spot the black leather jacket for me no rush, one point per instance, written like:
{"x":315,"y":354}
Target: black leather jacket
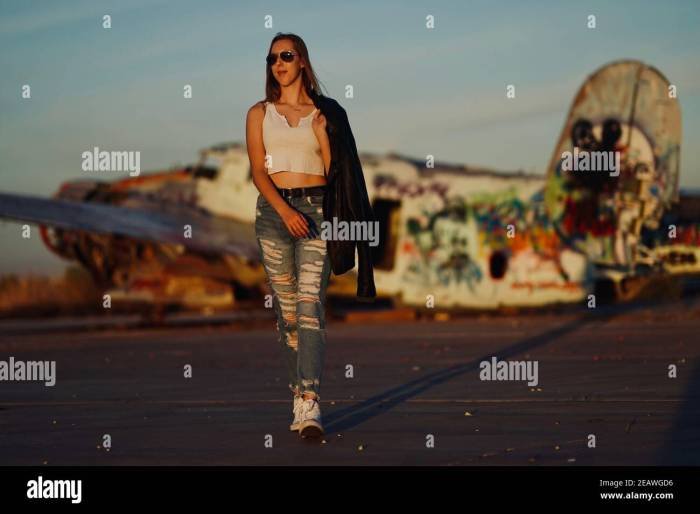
{"x":346,"y":197}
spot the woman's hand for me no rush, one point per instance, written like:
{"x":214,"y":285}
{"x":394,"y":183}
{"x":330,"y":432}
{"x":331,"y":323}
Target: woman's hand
{"x":295,"y":221}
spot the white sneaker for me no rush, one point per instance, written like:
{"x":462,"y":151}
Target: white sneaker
{"x":297,"y":413}
{"x":310,"y":425}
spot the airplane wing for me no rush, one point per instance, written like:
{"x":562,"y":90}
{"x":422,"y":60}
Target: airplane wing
{"x":160,"y":223}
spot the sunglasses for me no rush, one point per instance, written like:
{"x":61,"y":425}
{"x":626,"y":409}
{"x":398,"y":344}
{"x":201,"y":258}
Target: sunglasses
{"x":286,"y":56}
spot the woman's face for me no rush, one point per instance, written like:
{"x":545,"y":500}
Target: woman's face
{"x":285,"y":72}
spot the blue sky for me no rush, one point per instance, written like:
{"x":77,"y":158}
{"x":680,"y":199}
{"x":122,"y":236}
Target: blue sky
{"x":417,"y":91}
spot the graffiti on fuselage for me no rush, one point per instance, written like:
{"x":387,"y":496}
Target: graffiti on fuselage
{"x":624,"y":108}
{"x":445,"y":243}
{"x":602,"y":209}
{"x":486,"y":237}
{"x":478,"y":239}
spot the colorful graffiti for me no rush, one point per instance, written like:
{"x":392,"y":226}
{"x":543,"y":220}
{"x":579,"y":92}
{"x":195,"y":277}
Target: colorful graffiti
{"x":440,"y":247}
{"x":487,"y":237}
{"x":483,"y":241}
{"x":625,"y":107}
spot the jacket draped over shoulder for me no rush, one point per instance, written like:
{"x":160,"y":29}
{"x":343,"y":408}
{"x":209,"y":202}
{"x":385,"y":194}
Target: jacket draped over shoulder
{"x":346,"y":197}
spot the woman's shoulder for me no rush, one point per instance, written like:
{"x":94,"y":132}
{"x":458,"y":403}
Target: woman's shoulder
{"x":258,"y":108}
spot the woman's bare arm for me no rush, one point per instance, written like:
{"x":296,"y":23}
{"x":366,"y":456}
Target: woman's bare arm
{"x":295,"y":221}
{"x":256,"y":156}
{"x":318,"y":123}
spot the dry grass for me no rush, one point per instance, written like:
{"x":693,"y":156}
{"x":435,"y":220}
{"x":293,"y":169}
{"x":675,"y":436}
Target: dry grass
{"x":39,"y":295}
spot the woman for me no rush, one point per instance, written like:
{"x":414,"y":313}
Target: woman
{"x":290,"y":156}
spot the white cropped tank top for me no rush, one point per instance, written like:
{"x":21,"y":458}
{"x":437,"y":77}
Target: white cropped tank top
{"x":290,"y":148}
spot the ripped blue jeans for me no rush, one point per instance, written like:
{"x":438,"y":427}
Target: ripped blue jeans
{"x":297,"y":272}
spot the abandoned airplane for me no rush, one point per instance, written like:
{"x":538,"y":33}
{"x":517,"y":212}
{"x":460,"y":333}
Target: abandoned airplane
{"x":458,"y":236}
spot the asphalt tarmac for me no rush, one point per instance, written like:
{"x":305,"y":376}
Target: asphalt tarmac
{"x":415,"y":396}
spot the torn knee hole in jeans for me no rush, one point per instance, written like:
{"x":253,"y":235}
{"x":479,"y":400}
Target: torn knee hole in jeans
{"x":287,"y":301}
{"x":310,"y":280}
{"x":271,"y":254}
{"x":293,"y":339}
{"x":316,"y":245}
{"x":283,"y":278}
{"x":291,"y":336}
{"x":311,"y":322}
